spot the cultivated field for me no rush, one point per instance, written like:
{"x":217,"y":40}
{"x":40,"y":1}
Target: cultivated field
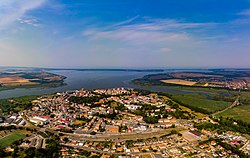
{"x":179,"y":82}
{"x":29,"y":79}
{"x":11,"y":138}
{"x":14,"y":80}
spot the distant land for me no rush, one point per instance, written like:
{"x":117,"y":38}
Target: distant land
{"x":28,"y":78}
{"x":217,"y":78}
{"x":25,"y":77}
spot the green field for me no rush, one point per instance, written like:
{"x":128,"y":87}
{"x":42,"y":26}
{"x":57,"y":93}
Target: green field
{"x":241,"y":112}
{"x":200,"y":101}
{"x":245,"y":98}
{"x":16,"y":104}
{"x":11,"y":138}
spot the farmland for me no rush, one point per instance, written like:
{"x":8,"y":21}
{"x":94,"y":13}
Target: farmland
{"x":10,"y":80}
{"x":179,"y":82}
{"x":11,"y":138}
{"x":228,"y":79}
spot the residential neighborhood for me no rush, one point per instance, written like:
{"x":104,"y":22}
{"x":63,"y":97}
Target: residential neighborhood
{"x":121,"y":122}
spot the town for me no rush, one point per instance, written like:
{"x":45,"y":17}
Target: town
{"x":120,"y":122}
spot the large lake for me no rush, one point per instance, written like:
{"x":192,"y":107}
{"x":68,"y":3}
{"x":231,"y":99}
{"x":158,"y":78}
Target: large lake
{"x":89,"y":80}
{"x":80,"y":79}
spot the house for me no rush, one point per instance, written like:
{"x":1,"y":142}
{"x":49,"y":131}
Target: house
{"x":105,"y":156}
{"x":136,"y":150}
{"x":120,"y":149}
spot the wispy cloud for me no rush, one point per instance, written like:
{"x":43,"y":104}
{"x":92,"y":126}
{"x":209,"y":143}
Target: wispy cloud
{"x":11,"y":10}
{"x":126,"y":21}
{"x":150,"y":31}
{"x":29,"y":21}
{"x":245,"y":12}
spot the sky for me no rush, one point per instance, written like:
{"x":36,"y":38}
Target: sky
{"x":125,"y":33}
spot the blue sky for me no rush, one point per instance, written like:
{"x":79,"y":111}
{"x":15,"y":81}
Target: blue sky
{"x":125,"y":33}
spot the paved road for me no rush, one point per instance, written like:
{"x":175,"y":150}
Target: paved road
{"x":123,"y":137}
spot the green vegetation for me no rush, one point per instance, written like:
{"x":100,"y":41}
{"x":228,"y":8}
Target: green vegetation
{"x":16,"y":104}
{"x":81,"y":100}
{"x":225,"y":124}
{"x":44,"y":85}
{"x":233,"y":149}
{"x":52,"y":149}
{"x":241,"y":112}
{"x":112,"y":115}
{"x":10,"y":139}
{"x":154,"y":83}
{"x":199,"y":103}
{"x":151,"y":119}
{"x":245,"y":98}
{"x":179,"y":113}
{"x":205,"y":100}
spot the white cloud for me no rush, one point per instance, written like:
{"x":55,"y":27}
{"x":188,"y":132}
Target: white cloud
{"x":11,"y":10}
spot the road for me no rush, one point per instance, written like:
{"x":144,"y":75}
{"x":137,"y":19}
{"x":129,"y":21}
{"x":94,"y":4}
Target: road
{"x":123,"y":137}
{"x":235,"y":103}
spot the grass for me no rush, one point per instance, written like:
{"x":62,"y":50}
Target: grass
{"x":10,"y":139}
{"x":241,"y":112}
{"x":200,"y":101}
{"x":197,"y":114}
{"x":17,"y":104}
{"x":245,"y":98}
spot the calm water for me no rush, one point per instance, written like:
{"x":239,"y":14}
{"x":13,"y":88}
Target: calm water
{"x":89,"y":80}
{"x":80,"y":79}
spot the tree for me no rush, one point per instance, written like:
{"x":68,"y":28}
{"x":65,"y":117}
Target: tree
{"x":93,"y":133}
{"x":173,"y":132}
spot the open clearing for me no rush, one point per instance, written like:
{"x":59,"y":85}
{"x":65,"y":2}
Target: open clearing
{"x":241,"y":112}
{"x":11,"y":138}
{"x":179,"y":82}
